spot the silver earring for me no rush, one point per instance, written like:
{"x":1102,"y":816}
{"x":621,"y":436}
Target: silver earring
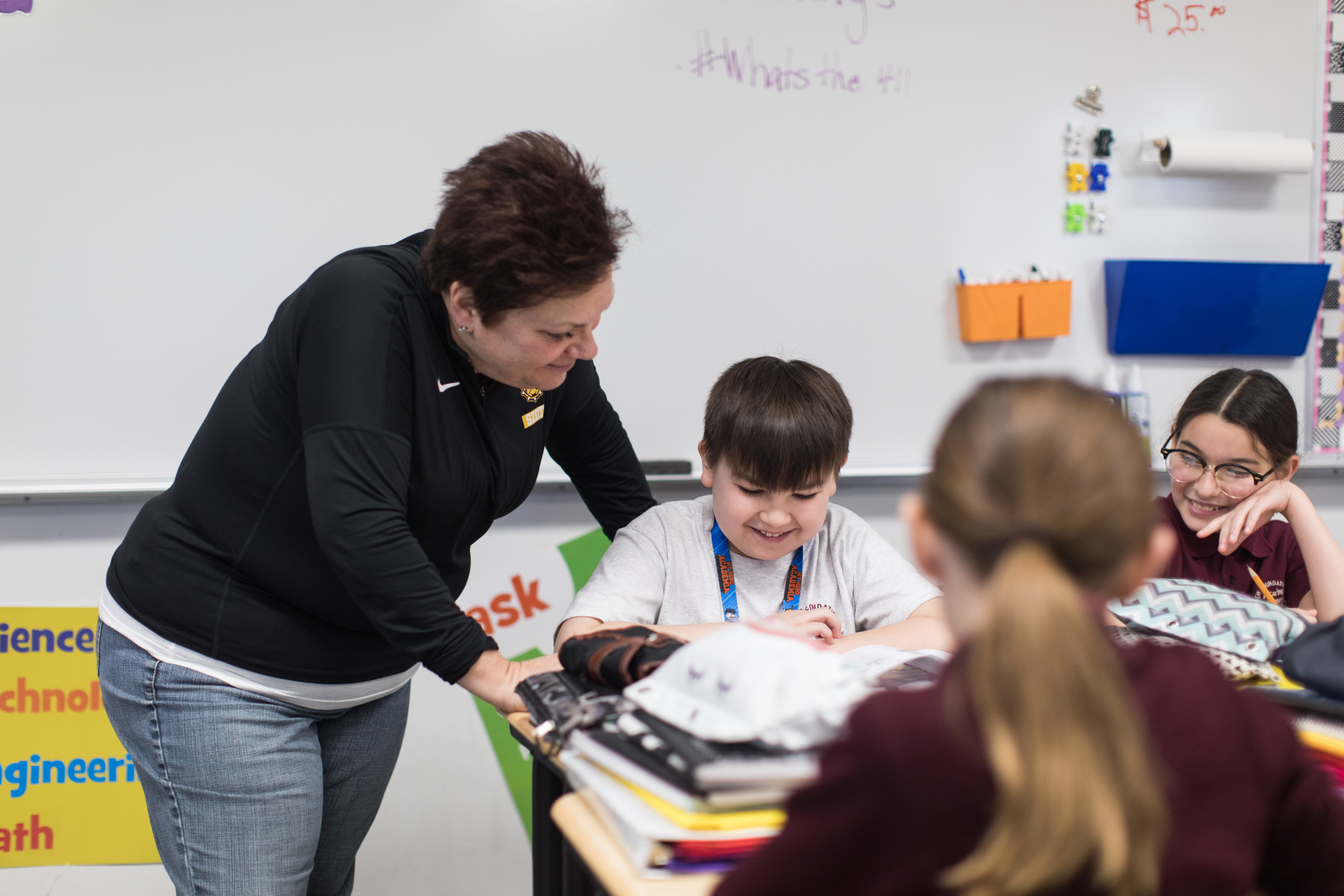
{"x":463,"y":330}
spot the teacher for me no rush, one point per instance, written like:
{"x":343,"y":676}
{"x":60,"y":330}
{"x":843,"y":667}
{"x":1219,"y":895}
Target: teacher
{"x":266,"y":613}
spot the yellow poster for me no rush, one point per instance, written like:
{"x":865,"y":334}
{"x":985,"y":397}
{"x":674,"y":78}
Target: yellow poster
{"x":69,"y":794}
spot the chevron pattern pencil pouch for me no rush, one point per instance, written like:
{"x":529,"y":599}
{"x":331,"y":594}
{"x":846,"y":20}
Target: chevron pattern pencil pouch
{"x":1206,"y":614}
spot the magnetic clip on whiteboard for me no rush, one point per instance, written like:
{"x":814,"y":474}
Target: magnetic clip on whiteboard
{"x":1090,"y":101}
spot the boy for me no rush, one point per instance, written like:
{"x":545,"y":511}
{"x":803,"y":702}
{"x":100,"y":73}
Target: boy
{"x":766,"y":542}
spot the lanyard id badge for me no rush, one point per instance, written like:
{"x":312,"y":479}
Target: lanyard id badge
{"x":723,"y":561}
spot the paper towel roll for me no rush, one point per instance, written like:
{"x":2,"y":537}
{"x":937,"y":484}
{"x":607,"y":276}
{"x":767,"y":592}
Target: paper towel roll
{"x":1233,"y":154}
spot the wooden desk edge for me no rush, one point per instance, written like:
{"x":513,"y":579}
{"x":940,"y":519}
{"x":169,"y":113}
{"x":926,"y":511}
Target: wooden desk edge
{"x":522,"y":723}
{"x":598,"y":847}
{"x":608,"y":862}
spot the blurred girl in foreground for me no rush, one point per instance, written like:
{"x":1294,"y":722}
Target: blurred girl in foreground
{"x":1047,"y":759}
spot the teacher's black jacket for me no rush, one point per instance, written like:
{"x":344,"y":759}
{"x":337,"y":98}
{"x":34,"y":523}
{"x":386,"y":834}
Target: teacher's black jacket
{"x":320,"y":526}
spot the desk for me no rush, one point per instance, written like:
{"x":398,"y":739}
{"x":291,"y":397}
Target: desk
{"x":607,"y":861}
{"x":556,"y":868}
{"x":571,"y":846}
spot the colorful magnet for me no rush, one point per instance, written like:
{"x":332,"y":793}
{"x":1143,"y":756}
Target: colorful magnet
{"x":1096,"y":178}
{"x":1076,"y":175}
{"x":1096,"y":216}
{"x":1101,"y":144}
{"x":1074,"y":216}
{"x":1073,"y":139}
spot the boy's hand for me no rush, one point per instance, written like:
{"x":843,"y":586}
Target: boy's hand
{"x":819,"y":623}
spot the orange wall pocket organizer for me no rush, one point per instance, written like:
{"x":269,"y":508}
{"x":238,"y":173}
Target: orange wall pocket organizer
{"x":1001,"y":311}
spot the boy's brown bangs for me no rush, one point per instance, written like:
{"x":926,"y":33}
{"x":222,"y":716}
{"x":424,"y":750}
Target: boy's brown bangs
{"x":781,"y":425}
{"x":782,"y":468}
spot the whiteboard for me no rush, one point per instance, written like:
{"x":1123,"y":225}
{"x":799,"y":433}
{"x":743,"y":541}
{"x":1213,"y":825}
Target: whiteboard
{"x":806,"y":177}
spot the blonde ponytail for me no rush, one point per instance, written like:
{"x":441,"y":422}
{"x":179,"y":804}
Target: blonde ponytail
{"x":1043,"y":486}
{"x":1065,"y":745}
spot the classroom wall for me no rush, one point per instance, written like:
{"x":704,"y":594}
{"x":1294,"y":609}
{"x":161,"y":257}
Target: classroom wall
{"x":199,"y":160}
{"x":447,"y":824}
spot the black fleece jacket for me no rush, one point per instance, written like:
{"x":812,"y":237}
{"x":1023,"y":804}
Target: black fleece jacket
{"x":320,"y":525}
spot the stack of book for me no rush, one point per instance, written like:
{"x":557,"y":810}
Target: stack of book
{"x":677,"y":803}
{"x":1324,"y":738}
{"x":674,"y":801}
{"x":1319,"y":721}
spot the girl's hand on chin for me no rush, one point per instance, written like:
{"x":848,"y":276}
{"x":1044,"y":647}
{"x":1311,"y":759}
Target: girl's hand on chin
{"x":1235,"y":526}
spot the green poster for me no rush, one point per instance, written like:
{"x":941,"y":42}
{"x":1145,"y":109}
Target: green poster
{"x":581,"y":556}
{"x":514,"y":760}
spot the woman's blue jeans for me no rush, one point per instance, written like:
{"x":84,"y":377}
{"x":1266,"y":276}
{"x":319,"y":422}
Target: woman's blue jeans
{"x":248,"y":795}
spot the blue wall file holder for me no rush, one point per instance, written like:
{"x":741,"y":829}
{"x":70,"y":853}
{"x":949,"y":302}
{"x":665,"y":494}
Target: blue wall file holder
{"x":1211,"y":307}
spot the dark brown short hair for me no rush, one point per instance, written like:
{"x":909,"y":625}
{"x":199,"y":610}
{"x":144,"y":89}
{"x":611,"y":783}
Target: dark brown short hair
{"x":524,"y":221}
{"x":1252,"y":399}
{"x":783,"y":425}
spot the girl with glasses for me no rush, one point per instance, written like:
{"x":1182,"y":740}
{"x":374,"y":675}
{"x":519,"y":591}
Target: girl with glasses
{"x":1231,"y":456}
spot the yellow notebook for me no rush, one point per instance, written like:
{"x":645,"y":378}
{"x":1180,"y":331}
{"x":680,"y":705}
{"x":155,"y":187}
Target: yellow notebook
{"x":1324,"y":743}
{"x":706,"y":821}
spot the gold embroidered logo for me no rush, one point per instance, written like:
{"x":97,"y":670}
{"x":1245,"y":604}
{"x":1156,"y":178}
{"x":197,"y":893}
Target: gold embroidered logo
{"x":532,"y":395}
{"x":533,"y":416}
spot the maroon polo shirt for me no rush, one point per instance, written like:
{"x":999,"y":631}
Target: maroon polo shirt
{"x":907,"y":793}
{"x":1271,"y":551}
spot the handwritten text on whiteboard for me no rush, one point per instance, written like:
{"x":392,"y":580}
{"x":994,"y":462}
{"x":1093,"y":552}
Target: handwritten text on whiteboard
{"x":742,"y":66}
{"x":857,"y":28}
{"x":1183,"y":20}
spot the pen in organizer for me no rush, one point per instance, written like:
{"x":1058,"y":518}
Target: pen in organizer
{"x":1261,"y":585}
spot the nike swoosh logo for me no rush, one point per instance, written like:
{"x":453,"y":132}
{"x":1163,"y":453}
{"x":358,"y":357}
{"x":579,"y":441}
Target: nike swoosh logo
{"x":444,"y":387}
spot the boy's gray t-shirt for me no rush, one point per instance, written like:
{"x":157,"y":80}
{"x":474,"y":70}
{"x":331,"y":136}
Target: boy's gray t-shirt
{"x":661,"y":570}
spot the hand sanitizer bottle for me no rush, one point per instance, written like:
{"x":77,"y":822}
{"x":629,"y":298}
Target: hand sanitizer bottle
{"x":1136,"y":406}
{"x":1110,"y":385}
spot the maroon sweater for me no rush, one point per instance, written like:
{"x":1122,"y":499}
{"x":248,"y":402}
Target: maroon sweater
{"x":906,"y":795}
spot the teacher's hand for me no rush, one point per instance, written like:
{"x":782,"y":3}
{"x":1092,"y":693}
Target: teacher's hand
{"x":493,"y":678}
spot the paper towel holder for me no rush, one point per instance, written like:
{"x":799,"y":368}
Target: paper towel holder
{"x":1163,"y":147}
{"x":1156,"y":149}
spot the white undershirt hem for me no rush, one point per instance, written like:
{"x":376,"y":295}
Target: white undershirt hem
{"x":309,"y":695}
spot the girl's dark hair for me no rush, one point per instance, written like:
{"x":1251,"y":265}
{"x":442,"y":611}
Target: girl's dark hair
{"x":1252,"y":399}
{"x":524,"y":221}
{"x":783,"y":425}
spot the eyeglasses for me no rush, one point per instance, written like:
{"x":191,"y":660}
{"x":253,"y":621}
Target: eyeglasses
{"x":1234,"y":480}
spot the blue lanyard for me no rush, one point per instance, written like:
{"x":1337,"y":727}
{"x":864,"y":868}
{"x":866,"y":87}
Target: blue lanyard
{"x":723,"y":560}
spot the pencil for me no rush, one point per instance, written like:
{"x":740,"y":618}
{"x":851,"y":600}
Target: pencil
{"x":1261,"y":585}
